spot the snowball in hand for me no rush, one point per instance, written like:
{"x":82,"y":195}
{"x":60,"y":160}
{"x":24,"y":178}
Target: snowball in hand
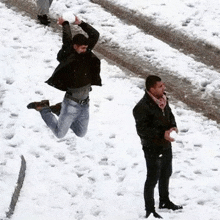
{"x":173,"y":134}
{"x":69,"y":16}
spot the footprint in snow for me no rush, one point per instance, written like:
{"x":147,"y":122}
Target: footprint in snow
{"x":9,"y":136}
{"x":109,"y":145}
{"x":13,"y":145}
{"x":96,"y":105}
{"x":39,"y":92}
{"x":103,"y":161}
{"x":36,"y":154}
{"x":79,"y":215}
{"x":79,"y":174}
{"x":198,"y":172}
{"x":14,"y":115}
{"x":9,"y":81}
{"x":188,"y":162}
{"x":60,"y":157}
{"x":111,"y":136}
{"x":216,"y":188}
{"x":95,"y":211}
{"x":134,"y":165}
{"x":201,"y":202}
{"x":110,"y":98}
{"x":107,"y":176}
{"x":45,"y":147}
{"x":47,"y":61}
{"x":11,"y":125}
{"x":121,"y":178}
{"x":198,"y":145}
{"x":121,"y":174}
{"x":184,"y":130}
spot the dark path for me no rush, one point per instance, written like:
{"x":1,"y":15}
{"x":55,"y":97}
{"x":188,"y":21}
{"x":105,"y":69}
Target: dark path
{"x":180,"y":89}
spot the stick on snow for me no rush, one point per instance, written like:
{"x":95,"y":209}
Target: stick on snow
{"x":17,"y":190}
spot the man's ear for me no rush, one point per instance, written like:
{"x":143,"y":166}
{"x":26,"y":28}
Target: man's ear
{"x":74,"y":46}
{"x":151,"y":90}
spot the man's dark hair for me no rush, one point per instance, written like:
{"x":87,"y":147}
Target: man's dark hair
{"x":151,"y":81}
{"x":80,"y":40}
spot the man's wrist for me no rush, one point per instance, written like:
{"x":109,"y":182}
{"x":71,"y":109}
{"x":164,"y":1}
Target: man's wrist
{"x":65,"y":22}
{"x":82,"y":23}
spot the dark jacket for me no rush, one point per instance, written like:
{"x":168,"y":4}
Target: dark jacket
{"x":76,"y":70}
{"x":151,"y":124}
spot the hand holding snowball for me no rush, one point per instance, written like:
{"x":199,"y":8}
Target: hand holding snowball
{"x":171,"y":134}
{"x":60,"y":20}
{"x":69,"y":16}
{"x":77,"y":21}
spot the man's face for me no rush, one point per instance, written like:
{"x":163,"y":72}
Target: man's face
{"x":158,"y":89}
{"x":80,"y":48}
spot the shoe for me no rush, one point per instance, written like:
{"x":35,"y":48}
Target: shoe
{"x":43,"y":19}
{"x":155,"y":214}
{"x":169,"y":205}
{"x":38,"y":106}
{"x":56,"y":108}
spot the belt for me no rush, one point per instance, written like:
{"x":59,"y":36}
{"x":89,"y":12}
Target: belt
{"x":81,"y":102}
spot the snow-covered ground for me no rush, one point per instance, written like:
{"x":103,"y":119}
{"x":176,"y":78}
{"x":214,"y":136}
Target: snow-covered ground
{"x":198,"y":19}
{"x":102,"y":175}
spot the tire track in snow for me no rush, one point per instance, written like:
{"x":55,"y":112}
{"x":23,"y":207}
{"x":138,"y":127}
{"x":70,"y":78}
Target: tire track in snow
{"x":203,"y":52}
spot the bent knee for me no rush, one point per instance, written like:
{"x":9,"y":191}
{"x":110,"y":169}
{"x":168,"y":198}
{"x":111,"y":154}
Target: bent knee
{"x":81,"y":134}
{"x":60,"y":135}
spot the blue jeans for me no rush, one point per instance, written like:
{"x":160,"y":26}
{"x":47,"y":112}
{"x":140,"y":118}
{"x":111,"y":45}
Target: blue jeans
{"x":72,"y":115}
{"x":159,"y":169}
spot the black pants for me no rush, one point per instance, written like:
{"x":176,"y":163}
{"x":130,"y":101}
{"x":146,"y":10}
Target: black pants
{"x":159,"y":168}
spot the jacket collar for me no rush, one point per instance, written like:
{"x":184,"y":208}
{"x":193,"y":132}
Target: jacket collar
{"x":149,"y":99}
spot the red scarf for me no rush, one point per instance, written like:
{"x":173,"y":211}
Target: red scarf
{"x":161,"y":102}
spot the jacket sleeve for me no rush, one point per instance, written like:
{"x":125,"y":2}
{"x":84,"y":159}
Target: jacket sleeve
{"x":92,"y":33}
{"x":171,"y":118}
{"x":95,"y":71}
{"x":67,"y":42}
{"x":143,"y":119}
{"x":67,"y":35}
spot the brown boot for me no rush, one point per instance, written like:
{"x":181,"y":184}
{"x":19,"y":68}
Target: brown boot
{"x":38,"y":106}
{"x":56,"y":108}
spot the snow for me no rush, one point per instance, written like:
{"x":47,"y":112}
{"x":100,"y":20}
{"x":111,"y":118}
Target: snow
{"x":199,"y":19}
{"x":101,"y":176}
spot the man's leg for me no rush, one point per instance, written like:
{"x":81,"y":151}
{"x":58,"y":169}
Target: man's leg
{"x":153,"y":174}
{"x":69,"y":113}
{"x":43,"y":10}
{"x":80,"y":125}
{"x":50,"y":2}
{"x":166,"y":172}
{"x":43,"y":7}
{"x":165,"y":175}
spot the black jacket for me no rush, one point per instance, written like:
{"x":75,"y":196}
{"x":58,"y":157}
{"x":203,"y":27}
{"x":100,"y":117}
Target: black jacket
{"x":151,"y":124}
{"x":76,"y":70}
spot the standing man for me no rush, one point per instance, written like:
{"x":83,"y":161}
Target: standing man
{"x":43,"y":11}
{"x":79,"y":68}
{"x":154,"y":123}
